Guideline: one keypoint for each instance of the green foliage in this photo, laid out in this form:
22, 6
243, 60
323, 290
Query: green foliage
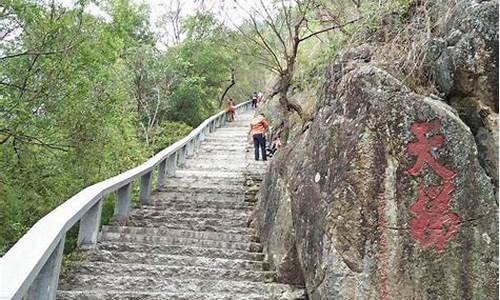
66, 119
170, 132
202, 66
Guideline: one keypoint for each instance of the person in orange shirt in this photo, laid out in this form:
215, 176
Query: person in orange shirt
258, 128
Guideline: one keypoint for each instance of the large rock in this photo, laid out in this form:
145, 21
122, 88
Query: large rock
382, 198
464, 68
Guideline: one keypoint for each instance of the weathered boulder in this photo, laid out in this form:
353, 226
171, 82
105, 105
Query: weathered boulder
279, 233
464, 68
382, 197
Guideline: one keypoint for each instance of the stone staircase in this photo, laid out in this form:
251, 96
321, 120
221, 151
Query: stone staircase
191, 240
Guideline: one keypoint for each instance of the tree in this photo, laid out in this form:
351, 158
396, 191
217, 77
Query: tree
65, 118
202, 63
278, 28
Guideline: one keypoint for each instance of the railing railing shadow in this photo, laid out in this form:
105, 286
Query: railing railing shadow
30, 269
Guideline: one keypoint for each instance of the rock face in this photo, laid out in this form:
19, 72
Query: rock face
384, 199
463, 65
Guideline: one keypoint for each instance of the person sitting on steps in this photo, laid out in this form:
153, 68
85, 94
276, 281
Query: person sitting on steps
258, 128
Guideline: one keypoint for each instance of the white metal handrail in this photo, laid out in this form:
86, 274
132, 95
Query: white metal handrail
30, 269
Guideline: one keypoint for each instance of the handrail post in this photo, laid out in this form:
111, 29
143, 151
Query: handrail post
190, 148
223, 119
145, 187
122, 206
205, 132
182, 156
44, 286
161, 173
172, 165
89, 225
197, 142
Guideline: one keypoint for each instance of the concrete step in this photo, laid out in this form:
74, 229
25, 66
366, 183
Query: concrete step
198, 180
222, 148
154, 221
103, 256
196, 195
211, 174
226, 142
175, 215
223, 139
182, 206
179, 285
162, 231
198, 203
202, 187
229, 151
129, 295
204, 165
237, 127
208, 211
185, 226
167, 240
220, 157
167, 272
149, 249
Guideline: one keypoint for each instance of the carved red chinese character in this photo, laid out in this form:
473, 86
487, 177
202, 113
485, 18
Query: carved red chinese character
423, 147
433, 223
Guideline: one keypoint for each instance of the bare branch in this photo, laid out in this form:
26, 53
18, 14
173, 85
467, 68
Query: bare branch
270, 22
327, 29
264, 42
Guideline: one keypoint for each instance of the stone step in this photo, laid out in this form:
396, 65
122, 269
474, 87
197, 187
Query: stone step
229, 132
179, 285
148, 249
211, 174
185, 226
239, 127
220, 157
209, 143
137, 220
202, 187
197, 180
198, 202
128, 295
229, 139
195, 194
242, 216
208, 206
167, 272
178, 208
167, 240
204, 165
222, 149
174, 260
181, 233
